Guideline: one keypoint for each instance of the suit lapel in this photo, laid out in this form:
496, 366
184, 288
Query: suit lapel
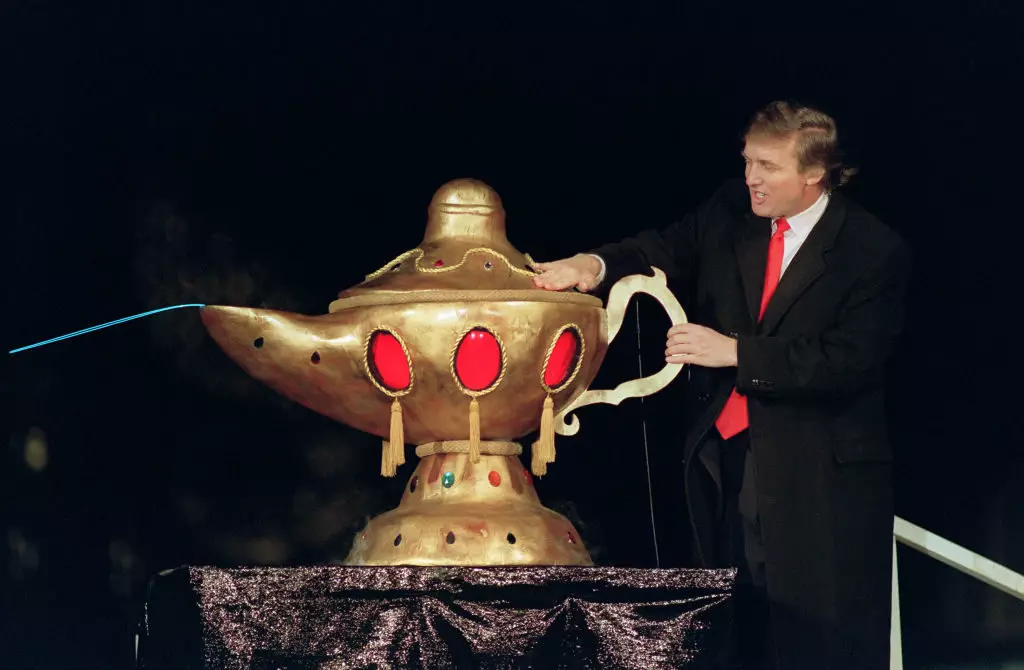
806, 266
750, 240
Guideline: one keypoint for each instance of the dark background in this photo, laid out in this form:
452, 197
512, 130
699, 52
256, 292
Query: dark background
273, 153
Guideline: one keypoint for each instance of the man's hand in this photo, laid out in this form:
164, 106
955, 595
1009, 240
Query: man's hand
581, 271
699, 345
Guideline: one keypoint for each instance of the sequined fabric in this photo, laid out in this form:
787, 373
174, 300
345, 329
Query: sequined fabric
334, 617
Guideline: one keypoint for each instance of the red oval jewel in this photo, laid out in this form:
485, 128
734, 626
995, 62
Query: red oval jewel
438, 263
529, 478
563, 358
494, 478
388, 362
572, 538
478, 360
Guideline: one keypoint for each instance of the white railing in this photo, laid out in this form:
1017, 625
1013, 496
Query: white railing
951, 554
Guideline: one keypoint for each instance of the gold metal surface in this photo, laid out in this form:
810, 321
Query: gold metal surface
464, 247
416, 256
568, 424
464, 274
618, 300
339, 387
502, 524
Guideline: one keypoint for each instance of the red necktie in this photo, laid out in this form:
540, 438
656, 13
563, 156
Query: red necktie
733, 419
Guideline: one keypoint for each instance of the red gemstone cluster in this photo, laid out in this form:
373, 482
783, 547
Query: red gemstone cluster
477, 366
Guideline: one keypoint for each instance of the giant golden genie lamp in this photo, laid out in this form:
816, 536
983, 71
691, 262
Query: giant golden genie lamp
452, 348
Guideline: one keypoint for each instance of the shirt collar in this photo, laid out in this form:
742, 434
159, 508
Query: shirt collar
802, 223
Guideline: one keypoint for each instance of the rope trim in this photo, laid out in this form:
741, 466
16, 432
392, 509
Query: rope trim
391, 393
464, 295
497, 448
396, 263
579, 358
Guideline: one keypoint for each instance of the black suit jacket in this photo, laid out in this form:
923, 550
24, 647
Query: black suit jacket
812, 371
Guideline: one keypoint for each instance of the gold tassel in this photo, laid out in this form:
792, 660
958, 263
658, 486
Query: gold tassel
397, 434
538, 466
393, 453
387, 465
544, 447
474, 431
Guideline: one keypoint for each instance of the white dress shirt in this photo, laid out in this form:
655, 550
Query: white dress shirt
800, 226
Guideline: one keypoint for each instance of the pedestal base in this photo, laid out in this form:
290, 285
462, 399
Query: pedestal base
336, 617
455, 512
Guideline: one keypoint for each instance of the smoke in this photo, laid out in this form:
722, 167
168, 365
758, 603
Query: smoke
259, 480
177, 262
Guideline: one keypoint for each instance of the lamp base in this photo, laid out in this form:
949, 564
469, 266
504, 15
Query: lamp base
454, 512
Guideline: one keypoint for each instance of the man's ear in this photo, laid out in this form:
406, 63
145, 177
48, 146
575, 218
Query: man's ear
814, 175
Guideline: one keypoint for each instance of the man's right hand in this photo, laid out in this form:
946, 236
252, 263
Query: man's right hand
582, 271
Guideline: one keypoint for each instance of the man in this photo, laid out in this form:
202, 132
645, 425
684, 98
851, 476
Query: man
798, 298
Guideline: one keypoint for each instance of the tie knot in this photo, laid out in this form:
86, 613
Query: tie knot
781, 225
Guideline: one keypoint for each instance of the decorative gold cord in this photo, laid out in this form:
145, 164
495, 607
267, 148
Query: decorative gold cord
579, 358
391, 393
497, 254
398, 260
463, 295
496, 448
455, 350
420, 253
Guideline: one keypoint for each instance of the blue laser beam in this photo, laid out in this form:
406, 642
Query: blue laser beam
104, 325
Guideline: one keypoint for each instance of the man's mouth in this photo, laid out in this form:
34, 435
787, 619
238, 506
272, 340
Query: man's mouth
760, 196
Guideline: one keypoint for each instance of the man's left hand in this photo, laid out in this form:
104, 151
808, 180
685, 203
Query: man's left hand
699, 345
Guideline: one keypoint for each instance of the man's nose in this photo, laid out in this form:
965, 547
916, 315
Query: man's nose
753, 178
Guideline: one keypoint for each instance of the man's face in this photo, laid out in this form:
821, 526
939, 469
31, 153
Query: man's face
777, 185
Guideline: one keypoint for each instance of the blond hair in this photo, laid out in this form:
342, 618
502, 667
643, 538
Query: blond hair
817, 143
